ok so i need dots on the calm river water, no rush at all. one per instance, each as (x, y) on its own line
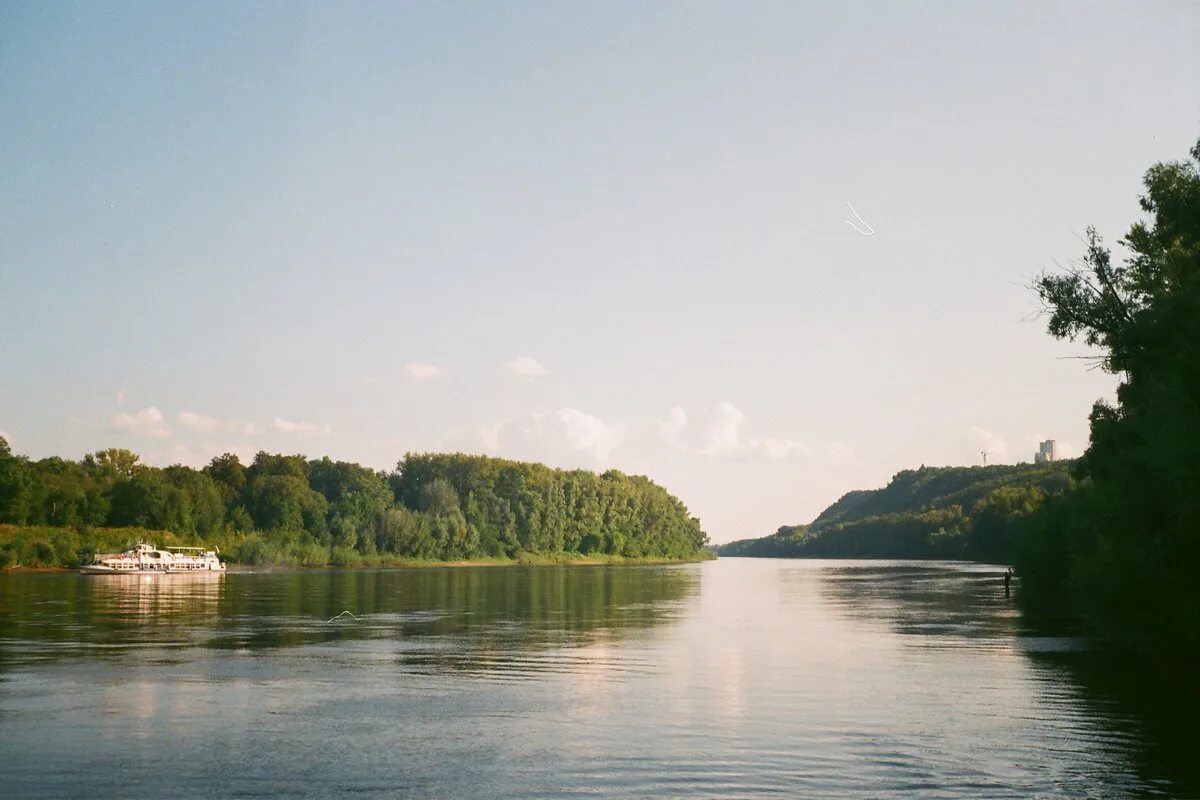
(736, 678)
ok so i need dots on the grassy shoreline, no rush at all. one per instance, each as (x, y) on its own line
(568, 560)
(33, 549)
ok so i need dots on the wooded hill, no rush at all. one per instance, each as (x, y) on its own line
(931, 512)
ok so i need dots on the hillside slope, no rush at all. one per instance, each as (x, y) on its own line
(931, 512)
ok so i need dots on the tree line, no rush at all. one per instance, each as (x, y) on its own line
(294, 510)
(974, 513)
(1121, 551)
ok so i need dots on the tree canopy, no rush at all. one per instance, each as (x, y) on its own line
(1120, 552)
(931, 512)
(289, 508)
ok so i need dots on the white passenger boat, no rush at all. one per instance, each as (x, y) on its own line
(145, 559)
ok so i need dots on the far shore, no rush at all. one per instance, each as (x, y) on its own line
(567, 561)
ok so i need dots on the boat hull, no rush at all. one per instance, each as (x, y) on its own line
(94, 569)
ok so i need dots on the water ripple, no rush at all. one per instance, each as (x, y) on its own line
(738, 678)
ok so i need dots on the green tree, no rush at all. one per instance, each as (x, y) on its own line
(996, 521)
(140, 500)
(15, 485)
(279, 498)
(1127, 548)
(230, 476)
(287, 509)
(357, 499)
(113, 463)
(286, 503)
(194, 504)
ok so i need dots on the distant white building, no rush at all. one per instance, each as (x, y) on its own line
(1045, 453)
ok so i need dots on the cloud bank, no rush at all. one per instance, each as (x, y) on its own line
(302, 428)
(526, 367)
(148, 422)
(565, 436)
(718, 434)
(423, 372)
(198, 422)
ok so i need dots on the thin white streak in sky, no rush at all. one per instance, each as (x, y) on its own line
(869, 230)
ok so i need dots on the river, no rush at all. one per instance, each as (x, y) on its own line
(733, 678)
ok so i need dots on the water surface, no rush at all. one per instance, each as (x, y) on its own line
(736, 678)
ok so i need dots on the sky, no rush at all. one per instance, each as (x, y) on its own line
(764, 253)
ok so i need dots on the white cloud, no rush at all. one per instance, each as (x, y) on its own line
(178, 454)
(490, 436)
(250, 429)
(287, 426)
(120, 398)
(423, 372)
(985, 440)
(673, 423)
(722, 436)
(147, 422)
(584, 432)
(198, 422)
(561, 437)
(779, 449)
(718, 435)
(526, 367)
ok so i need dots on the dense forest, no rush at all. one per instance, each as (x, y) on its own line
(931, 512)
(292, 510)
(1121, 551)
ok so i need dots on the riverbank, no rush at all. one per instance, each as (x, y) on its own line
(298, 511)
(527, 560)
(29, 549)
(565, 560)
(580, 561)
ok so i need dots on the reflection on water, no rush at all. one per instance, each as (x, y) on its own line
(1152, 706)
(1135, 711)
(943, 602)
(47, 616)
(740, 678)
(463, 618)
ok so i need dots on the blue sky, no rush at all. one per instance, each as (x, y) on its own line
(604, 236)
